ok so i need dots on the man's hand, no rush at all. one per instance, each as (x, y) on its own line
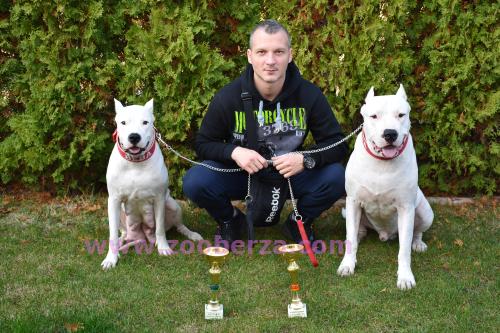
(289, 164)
(248, 159)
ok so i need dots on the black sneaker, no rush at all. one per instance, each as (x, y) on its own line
(291, 230)
(231, 230)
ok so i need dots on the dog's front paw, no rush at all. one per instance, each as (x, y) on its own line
(165, 251)
(110, 261)
(163, 248)
(418, 246)
(406, 280)
(346, 267)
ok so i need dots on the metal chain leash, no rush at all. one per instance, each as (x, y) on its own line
(296, 214)
(294, 203)
(270, 162)
(158, 137)
(248, 197)
(333, 145)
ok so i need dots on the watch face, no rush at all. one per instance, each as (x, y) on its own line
(309, 162)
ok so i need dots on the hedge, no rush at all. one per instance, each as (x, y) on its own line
(63, 62)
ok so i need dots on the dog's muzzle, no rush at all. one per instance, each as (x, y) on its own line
(135, 150)
(135, 154)
(388, 152)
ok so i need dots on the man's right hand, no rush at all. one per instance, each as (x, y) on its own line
(248, 159)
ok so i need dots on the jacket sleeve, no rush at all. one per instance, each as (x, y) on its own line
(213, 140)
(325, 130)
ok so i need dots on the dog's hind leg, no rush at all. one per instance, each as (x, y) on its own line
(173, 213)
(173, 217)
(423, 220)
(194, 236)
(123, 226)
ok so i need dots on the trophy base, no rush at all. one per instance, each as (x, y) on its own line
(214, 314)
(297, 313)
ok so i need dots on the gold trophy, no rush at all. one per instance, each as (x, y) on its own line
(215, 256)
(291, 252)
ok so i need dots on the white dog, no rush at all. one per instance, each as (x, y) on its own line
(382, 184)
(137, 181)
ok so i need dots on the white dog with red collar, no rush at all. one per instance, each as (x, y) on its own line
(137, 181)
(382, 185)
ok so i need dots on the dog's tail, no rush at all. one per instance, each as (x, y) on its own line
(343, 212)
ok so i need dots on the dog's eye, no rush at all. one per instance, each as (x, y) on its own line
(145, 122)
(401, 115)
(374, 116)
(123, 122)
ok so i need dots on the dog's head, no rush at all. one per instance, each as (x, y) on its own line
(135, 127)
(386, 121)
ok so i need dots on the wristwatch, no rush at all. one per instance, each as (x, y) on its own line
(309, 162)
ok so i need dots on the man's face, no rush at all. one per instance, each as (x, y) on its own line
(269, 55)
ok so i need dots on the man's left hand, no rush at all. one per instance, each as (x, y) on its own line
(289, 164)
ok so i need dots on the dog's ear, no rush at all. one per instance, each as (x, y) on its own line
(118, 105)
(401, 92)
(370, 95)
(149, 105)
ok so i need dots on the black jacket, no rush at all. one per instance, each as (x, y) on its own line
(303, 108)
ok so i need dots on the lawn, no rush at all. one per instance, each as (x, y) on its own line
(50, 282)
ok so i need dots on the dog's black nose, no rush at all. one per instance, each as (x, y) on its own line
(134, 138)
(390, 135)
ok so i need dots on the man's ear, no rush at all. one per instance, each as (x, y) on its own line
(118, 105)
(290, 57)
(249, 56)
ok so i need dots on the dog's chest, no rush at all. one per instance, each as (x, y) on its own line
(379, 205)
(130, 175)
(137, 183)
(139, 204)
(380, 210)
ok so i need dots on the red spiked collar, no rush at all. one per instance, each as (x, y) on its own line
(400, 149)
(146, 155)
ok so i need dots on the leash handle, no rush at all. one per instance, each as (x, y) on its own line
(307, 244)
(300, 225)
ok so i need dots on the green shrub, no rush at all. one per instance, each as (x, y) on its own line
(445, 53)
(62, 63)
(77, 56)
(457, 95)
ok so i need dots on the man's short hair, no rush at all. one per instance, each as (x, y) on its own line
(271, 27)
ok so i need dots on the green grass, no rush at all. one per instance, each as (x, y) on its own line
(49, 283)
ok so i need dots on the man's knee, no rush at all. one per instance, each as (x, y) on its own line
(334, 176)
(338, 173)
(193, 183)
(334, 182)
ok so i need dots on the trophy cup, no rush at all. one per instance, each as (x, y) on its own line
(291, 252)
(215, 256)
